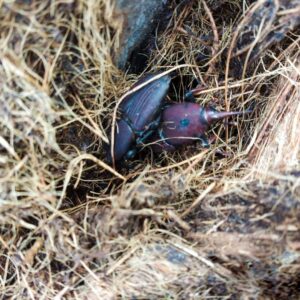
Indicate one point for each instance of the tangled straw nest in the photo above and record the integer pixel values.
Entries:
(186, 225)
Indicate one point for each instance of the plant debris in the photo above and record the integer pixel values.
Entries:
(183, 225)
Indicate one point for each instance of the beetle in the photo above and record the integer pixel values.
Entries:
(183, 123)
(139, 116)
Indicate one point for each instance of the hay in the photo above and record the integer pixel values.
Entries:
(192, 224)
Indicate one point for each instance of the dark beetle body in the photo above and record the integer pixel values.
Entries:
(124, 137)
(142, 107)
(183, 123)
(137, 113)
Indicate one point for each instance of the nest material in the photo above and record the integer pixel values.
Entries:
(193, 224)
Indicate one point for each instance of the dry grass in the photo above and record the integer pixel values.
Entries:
(190, 225)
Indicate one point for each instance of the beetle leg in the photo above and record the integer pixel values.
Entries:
(223, 153)
(207, 141)
(137, 133)
(161, 144)
(141, 133)
(204, 141)
(143, 138)
(145, 134)
(154, 124)
(189, 96)
(212, 139)
(131, 153)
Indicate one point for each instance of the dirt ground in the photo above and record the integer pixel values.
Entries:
(221, 222)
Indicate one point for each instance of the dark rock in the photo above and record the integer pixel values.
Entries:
(140, 18)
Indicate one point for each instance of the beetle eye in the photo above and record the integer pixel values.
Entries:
(184, 122)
